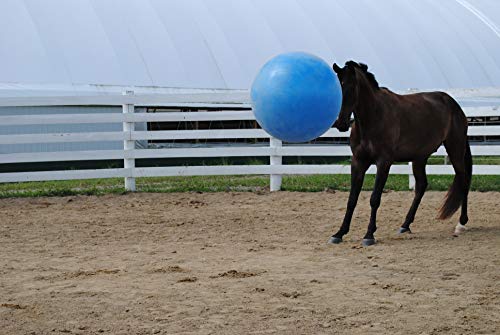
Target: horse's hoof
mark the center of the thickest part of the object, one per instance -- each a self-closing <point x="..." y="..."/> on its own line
<point x="459" y="229"/>
<point x="335" y="240"/>
<point x="403" y="230"/>
<point x="368" y="241"/>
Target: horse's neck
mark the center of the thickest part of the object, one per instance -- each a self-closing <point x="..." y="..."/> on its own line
<point x="366" y="114"/>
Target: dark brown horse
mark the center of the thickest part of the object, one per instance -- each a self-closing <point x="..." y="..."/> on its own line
<point x="389" y="128"/>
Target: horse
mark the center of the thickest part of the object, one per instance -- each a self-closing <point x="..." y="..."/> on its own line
<point x="390" y="128"/>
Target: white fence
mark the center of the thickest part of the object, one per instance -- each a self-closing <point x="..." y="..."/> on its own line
<point x="275" y="150"/>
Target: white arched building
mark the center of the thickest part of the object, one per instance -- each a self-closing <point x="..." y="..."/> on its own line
<point x="101" y="45"/>
<point x="94" y="47"/>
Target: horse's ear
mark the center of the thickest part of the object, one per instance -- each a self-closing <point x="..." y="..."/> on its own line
<point x="336" y="68"/>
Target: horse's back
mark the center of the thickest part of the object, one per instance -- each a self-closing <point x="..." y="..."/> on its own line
<point x="436" y="102"/>
<point x="437" y="110"/>
<point x="424" y="121"/>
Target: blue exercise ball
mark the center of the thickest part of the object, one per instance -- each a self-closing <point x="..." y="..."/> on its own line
<point x="296" y="97"/>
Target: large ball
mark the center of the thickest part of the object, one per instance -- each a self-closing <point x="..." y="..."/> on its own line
<point x="296" y="97"/>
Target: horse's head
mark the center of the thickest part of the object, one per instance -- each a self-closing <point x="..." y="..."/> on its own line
<point x="348" y="81"/>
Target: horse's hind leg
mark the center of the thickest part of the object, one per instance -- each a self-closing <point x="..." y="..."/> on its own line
<point x="468" y="177"/>
<point x="420" y="187"/>
<point x="461" y="159"/>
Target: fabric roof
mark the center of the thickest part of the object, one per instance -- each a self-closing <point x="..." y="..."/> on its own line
<point x="221" y="44"/>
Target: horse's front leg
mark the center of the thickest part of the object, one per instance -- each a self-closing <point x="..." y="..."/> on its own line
<point x="358" y="170"/>
<point x="382" y="174"/>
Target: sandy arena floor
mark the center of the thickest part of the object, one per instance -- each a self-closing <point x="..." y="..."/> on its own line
<point x="244" y="263"/>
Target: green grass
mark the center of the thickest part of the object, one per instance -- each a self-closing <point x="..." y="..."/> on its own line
<point x="478" y="160"/>
<point x="395" y="182"/>
<point x="312" y="183"/>
<point x="62" y="188"/>
<point x="309" y="183"/>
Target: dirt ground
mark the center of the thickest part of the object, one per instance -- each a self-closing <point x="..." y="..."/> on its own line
<point x="244" y="263"/>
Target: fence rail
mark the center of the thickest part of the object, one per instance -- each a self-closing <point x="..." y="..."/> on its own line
<point x="275" y="149"/>
<point x="247" y="151"/>
<point x="226" y="115"/>
<point x="181" y="135"/>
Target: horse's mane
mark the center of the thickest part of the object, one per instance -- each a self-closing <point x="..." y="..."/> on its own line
<point x="363" y="67"/>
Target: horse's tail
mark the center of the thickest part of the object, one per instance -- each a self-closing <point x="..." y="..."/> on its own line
<point x="459" y="189"/>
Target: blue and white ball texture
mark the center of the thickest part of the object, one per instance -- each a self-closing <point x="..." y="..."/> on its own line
<point x="296" y="97"/>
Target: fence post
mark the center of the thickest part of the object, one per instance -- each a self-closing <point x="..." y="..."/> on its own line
<point x="128" y="144"/>
<point x="275" y="159"/>
<point x="411" y="177"/>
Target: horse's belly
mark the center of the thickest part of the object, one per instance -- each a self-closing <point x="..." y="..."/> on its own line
<point x="412" y="144"/>
<point x="407" y="153"/>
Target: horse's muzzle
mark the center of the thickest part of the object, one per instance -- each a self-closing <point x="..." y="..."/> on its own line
<point x="341" y="126"/>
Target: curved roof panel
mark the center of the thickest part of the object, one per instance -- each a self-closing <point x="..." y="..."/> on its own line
<point x="222" y="43"/>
